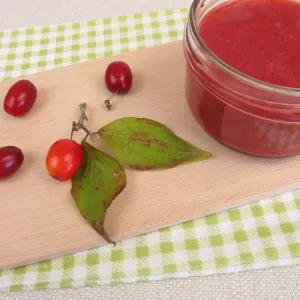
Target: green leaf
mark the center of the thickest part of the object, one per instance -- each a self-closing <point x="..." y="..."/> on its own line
<point x="96" y="184"/>
<point x="144" y="144"/>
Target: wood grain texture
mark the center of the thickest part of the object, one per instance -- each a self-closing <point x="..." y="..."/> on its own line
<point x="38" y="219"/>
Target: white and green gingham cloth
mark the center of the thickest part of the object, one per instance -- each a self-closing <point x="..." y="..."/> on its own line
<point x="260" y="235"/>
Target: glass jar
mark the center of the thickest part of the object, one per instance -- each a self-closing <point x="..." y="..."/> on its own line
<point x="237" y="110"/>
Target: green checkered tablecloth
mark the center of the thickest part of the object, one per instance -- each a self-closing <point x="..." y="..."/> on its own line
<point x="260" y="235"/>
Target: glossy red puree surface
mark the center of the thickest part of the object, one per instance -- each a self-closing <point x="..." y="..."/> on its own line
<point x="260" y="38"/>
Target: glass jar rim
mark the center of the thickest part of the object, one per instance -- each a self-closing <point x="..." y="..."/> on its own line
<point x="226" y="67"/>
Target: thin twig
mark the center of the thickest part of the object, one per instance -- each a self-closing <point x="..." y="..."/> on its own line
<point x="80" y="124"/>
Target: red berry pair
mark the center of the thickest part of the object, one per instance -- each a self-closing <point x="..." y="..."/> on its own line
<point x="18" y="101"/>
<point x="65" y="156"/>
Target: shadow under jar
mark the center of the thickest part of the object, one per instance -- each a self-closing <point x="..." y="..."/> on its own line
<point x="243" y="73"/>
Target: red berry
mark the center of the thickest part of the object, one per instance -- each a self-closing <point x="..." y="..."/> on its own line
<point x="11" y="159"/>
<point x="64" y="159"/>
<point x="118" y="77"/>
<point x="20" y="98"/>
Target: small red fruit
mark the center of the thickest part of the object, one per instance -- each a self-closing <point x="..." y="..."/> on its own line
<point x="118" y="77"/>
<point x="11" y="159"/>
<point x="64" y="159"/>
<point x="20" y="98"/>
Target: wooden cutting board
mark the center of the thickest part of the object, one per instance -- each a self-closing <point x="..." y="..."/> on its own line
<point x="38" y="219"/>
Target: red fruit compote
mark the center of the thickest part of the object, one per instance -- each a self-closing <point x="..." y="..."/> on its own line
<point x="243" y="73"/>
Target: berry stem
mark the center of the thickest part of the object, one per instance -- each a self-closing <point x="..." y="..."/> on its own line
<point x="107" y="101"/>
<point x="80" y="124"/>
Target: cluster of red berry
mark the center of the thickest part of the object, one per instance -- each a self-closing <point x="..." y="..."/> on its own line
<point x="65" y="155"/>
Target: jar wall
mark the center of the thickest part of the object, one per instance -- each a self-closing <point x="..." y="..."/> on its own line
<point x="238" y="129"/>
